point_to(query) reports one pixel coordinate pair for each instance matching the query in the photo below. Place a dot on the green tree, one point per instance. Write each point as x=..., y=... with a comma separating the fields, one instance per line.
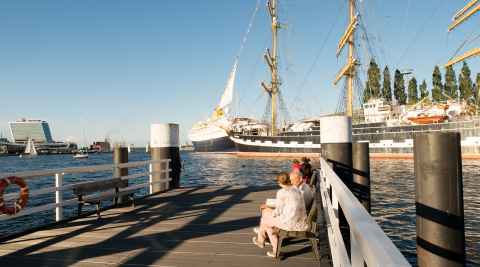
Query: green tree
x=374, y=79
x=412, y=91
x=437, y=89
x=367, y=93
x=399, y=88
x=387, y=85
x=423, y=90
x=451, y=87
x=465, y=81
x=476, y=89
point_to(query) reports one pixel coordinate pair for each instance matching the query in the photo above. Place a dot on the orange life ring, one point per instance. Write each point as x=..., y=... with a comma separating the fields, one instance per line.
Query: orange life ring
x=21, y=202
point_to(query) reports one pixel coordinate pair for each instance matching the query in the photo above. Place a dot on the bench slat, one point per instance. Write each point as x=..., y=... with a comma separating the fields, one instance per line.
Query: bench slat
x=95, y=186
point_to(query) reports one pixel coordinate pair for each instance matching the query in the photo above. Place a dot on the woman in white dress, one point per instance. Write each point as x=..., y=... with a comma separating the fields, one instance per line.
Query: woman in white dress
x=289, y=214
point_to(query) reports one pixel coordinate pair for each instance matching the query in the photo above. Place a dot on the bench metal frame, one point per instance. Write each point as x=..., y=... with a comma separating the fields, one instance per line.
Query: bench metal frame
x=311, y=233
x=84, y=191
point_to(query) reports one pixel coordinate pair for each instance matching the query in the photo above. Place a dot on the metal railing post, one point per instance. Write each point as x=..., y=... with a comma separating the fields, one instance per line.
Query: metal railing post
x=355, y=252
x=150, y=179
x=166, y=174
x=58, y=196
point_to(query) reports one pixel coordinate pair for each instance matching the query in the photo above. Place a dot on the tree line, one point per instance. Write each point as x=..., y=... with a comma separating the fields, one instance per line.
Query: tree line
x=462, y=88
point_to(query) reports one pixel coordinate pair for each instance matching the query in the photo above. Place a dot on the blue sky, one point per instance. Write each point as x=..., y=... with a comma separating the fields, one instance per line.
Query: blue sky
x=110, y=68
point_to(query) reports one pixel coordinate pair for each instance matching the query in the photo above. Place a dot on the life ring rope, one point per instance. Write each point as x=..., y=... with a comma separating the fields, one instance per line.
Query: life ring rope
x=21, y=202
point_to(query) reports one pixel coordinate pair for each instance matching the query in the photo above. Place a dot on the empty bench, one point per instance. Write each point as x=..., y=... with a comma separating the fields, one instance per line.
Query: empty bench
x=93, y=193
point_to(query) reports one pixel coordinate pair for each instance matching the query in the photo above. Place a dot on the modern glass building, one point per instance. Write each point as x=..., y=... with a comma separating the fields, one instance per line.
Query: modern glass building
x=37, y=130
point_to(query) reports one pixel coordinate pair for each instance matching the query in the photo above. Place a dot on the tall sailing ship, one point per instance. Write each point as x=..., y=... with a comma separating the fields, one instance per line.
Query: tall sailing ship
x=276, y=137
x=389, y=128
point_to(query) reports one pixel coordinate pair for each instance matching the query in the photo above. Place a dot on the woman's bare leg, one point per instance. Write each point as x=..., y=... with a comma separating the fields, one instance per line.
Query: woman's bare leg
x=273, y=239
x=266, y=222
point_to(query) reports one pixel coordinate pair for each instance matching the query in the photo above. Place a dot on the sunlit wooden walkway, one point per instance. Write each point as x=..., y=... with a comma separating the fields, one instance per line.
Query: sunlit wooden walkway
x=201, y=226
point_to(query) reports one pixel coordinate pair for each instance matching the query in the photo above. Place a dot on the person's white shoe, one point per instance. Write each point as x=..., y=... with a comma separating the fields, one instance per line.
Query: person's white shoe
x=270, y=254
x=258, y=244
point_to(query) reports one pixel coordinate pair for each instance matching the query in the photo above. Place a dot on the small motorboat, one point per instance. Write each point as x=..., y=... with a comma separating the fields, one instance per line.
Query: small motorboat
x=80, y=155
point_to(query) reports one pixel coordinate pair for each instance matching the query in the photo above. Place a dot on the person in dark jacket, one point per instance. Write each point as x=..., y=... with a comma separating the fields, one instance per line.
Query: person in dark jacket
x=306, y=170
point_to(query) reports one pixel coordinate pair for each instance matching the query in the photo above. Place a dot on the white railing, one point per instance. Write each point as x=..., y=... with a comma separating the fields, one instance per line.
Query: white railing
x=59, y=187
x=368, y=242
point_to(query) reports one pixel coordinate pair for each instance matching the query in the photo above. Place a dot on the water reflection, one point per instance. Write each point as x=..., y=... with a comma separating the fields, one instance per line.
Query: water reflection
x=393, y=205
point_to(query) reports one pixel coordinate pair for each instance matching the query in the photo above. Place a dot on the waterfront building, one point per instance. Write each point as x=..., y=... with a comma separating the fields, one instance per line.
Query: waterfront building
x=37, y=130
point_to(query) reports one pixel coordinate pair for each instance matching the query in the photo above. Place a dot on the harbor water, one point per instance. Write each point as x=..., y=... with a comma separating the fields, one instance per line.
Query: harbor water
x=393, y=189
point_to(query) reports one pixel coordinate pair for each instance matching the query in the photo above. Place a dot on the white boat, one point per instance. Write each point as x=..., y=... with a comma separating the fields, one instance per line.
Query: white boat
x=30, y=150
x=81, y=155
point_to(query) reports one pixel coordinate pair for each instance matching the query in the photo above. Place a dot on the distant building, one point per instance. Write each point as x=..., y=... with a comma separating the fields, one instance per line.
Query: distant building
x=101, y=146
x=37, y=130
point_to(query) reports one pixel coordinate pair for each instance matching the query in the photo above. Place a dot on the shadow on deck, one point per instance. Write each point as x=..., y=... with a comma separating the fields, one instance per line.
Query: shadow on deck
x=196, y=226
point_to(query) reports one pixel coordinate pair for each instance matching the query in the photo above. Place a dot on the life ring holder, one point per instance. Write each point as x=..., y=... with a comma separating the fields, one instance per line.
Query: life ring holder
x=21, y=202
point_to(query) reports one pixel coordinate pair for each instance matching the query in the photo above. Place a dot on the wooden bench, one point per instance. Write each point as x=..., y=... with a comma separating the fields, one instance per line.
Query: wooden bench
x=85, y=193
x=311, y=233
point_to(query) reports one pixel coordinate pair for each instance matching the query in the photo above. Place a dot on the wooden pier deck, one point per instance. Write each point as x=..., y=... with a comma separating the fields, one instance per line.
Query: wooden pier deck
x=196, y=226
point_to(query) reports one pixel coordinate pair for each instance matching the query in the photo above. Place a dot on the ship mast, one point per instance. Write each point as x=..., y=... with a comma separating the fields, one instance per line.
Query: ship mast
x=461, y=16
x=348, y=71
x=271, y=58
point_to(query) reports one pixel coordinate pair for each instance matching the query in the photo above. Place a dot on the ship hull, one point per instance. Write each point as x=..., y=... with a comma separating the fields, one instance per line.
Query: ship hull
x=399, y=139
x=275, y=145
x=214, y=145
x=382, y=139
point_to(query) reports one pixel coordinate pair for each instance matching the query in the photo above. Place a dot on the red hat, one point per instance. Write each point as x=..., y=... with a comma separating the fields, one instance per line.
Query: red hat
x=296, y=166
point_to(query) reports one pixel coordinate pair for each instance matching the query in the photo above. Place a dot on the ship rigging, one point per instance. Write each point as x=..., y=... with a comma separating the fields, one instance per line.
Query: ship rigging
x=460, y=17
x=273, y=89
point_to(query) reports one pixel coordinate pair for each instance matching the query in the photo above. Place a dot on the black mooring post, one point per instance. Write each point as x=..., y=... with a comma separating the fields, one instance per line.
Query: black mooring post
x=439, y=200
x=120, y=155
x=336, y=142
x=361, y=173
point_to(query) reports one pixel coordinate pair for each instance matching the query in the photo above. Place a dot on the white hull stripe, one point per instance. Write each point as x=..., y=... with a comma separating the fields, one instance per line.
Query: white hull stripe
x=409, y=143
x=293, y=144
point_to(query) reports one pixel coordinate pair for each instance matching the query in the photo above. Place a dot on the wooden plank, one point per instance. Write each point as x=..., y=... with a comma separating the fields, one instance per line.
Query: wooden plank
x=186, y=227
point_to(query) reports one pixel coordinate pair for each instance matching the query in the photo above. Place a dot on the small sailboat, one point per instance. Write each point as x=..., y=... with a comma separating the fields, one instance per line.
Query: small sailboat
x=30, y=150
